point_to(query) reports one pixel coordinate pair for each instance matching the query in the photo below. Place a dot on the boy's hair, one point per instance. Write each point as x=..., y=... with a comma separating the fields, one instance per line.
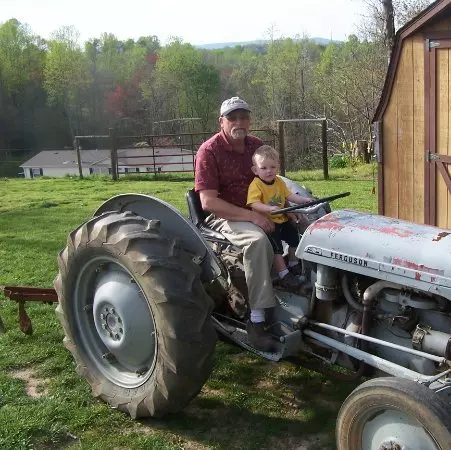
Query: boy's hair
x=266, y=152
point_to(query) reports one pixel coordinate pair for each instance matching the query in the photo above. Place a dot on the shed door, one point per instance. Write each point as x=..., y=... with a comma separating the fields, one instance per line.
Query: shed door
x=437, y=197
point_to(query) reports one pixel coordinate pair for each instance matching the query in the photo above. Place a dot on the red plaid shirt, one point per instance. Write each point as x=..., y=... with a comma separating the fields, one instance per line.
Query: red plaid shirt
x=220, y=168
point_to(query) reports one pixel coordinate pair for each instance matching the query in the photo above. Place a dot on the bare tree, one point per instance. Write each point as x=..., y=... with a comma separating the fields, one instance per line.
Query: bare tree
x=384, y=17
x=389, y=24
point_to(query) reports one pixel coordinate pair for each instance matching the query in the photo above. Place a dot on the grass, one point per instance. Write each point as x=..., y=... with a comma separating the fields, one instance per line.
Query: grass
x=247, y=403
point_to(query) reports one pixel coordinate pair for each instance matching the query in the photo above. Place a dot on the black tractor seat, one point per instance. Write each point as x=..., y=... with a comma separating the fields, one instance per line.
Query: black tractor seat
x=197, y=215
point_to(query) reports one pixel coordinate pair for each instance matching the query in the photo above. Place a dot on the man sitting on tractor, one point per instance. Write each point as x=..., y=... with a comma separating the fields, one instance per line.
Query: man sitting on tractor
x=222, y=177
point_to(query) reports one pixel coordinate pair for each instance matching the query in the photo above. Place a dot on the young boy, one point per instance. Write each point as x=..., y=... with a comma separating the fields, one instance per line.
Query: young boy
x=268, y=193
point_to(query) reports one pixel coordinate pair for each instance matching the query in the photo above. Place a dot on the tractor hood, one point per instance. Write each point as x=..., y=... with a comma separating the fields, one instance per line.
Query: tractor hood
x=390, y=249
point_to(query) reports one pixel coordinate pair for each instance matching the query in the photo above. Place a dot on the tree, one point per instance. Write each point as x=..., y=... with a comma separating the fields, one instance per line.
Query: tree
x=350, y=79
x=66, y=75
x=192, y=86
x=21, y=64
x=386, y=16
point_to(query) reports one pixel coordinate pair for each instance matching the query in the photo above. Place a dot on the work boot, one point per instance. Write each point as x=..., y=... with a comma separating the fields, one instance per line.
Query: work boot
x=290, y=282
x=258, y=337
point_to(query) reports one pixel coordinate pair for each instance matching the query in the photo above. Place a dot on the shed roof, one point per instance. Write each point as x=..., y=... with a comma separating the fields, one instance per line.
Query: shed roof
x=90, y=158
x=425, y=17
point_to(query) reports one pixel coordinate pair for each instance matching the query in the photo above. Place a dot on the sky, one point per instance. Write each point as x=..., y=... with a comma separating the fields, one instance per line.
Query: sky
x=195, y=21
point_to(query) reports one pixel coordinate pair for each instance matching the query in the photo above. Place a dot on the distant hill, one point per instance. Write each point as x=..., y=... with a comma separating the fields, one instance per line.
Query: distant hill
x=318, y=40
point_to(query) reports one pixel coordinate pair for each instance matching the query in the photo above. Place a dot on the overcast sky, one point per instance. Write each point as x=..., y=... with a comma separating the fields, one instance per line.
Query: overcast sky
x=195, y=21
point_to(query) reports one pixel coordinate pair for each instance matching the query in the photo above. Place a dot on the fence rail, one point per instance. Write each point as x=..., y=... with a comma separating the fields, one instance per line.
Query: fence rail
x=149, y=146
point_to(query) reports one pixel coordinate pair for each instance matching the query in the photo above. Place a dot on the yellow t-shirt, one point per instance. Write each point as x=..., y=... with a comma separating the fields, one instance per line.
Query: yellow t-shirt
x=270, y=194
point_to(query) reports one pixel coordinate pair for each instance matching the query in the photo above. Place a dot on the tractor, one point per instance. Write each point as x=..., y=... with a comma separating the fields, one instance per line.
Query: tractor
x=144, y=292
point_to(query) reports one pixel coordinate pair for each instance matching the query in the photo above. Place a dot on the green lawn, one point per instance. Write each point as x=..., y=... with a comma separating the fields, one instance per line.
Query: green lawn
x=247, y=403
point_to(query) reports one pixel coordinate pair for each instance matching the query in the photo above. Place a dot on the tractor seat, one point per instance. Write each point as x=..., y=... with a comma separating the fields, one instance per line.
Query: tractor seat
x=197, y=215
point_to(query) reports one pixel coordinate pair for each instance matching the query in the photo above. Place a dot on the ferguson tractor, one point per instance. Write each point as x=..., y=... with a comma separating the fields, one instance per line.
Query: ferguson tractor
x=144, y=292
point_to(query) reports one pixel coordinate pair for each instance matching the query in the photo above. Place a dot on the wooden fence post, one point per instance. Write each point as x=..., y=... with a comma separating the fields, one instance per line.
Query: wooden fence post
x=281, y=147
x=113, y=155
x=324, y=145
x=77, y=149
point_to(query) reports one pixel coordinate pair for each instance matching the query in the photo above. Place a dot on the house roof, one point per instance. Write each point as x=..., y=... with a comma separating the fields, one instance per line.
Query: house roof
x=425, y=17
x=91, y=158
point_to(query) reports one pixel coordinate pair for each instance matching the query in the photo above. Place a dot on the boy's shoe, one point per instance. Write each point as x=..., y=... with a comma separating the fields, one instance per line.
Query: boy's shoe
x=296, y=270
x=258, y=337
x=290, y=281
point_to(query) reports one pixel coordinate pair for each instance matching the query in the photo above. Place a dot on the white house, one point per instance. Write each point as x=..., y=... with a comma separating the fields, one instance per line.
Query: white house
x=58, y=163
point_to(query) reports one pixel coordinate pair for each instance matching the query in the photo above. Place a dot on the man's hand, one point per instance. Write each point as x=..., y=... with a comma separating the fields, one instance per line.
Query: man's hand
x=264, y=222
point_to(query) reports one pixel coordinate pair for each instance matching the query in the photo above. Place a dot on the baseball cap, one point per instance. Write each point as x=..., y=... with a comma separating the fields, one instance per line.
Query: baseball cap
x=231, y=104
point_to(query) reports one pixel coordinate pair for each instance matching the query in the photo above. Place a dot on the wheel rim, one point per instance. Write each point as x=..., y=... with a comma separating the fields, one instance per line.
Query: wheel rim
x=115, y=322
x=390, y=429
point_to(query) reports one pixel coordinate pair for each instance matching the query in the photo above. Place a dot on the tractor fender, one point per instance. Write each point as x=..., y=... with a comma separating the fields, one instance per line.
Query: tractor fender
x=172, y=222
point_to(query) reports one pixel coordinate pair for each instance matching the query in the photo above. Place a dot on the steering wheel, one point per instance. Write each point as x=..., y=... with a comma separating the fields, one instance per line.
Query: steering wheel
x=306, y=208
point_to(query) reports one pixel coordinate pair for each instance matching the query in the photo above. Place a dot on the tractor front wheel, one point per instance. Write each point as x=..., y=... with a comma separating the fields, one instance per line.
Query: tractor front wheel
x=135, y=315
x=393, y=413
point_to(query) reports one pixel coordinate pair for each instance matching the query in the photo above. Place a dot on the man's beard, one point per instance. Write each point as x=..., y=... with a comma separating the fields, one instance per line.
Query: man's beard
x=238, y=133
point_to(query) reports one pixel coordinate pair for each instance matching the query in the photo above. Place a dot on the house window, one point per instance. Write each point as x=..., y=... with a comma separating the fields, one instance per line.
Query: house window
x=126, y=170
x=91, y=170
x=137, y=169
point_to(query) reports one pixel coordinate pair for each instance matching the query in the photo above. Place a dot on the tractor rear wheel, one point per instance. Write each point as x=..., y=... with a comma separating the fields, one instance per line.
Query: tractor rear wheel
x=393, y=413
x=135, y=315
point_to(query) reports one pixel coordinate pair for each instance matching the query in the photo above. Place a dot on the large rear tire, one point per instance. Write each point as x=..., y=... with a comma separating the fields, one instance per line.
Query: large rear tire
x=393, y=413
x=135, y=315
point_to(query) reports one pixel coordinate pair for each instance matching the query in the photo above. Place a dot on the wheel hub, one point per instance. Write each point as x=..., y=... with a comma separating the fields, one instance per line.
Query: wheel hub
x=111, y=322
x=394, y=430
x=392, y=445
x=123, y=320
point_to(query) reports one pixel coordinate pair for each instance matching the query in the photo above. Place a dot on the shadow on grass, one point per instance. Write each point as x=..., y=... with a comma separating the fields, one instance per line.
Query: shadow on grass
x=249, y=403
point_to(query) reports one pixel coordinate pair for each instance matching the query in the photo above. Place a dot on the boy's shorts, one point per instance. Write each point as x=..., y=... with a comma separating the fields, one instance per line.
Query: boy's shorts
x=284, y=232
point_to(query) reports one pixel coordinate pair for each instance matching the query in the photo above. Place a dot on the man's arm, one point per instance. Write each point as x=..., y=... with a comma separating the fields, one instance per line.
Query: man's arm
x=210, y=202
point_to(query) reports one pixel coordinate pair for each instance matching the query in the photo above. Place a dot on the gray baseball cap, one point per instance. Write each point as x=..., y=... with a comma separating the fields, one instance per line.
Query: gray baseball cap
x=231, y=104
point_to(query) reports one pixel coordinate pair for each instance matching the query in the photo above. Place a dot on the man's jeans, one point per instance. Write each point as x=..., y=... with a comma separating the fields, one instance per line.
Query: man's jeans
x=258, y=258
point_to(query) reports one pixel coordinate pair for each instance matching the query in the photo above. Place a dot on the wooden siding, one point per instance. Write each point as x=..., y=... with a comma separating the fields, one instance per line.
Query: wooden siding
x=403, y=136
x=443, y=121
x=418, y=128
x=443, y=203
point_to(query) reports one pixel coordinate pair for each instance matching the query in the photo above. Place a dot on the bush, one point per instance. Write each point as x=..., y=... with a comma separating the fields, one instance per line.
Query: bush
x=339, y=162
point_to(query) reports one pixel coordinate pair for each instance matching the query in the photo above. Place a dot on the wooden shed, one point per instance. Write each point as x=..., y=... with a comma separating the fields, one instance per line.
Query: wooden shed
x=412, y=123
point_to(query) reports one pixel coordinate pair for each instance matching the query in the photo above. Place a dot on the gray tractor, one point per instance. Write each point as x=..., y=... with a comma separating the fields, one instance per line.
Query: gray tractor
x=144, y=292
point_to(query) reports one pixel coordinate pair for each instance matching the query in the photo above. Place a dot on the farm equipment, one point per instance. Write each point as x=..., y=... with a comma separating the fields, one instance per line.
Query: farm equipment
x=144, y=292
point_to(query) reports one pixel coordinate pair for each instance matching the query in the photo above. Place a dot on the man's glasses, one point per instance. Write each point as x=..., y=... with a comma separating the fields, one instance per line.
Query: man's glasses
x=233, y=117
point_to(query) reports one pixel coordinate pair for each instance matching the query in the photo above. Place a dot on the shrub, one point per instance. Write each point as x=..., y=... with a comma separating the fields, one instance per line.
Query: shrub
x=339, y=162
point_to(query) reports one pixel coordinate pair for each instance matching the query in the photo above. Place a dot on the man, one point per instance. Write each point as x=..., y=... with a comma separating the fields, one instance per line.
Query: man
x=222, y=177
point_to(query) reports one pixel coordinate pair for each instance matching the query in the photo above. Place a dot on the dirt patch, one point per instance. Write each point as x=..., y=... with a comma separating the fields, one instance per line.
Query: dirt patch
x=35, y=387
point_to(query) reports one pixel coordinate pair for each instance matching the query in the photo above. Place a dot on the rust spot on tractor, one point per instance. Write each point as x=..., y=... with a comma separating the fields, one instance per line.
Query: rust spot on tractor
x=415, y=266
x=441, y=235
x=417, y=276
x=396, y=232
x=331, y=223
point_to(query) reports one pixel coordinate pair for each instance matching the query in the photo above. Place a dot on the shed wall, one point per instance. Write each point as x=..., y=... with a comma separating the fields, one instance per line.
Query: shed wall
x=403, y=132
x=403, y=136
